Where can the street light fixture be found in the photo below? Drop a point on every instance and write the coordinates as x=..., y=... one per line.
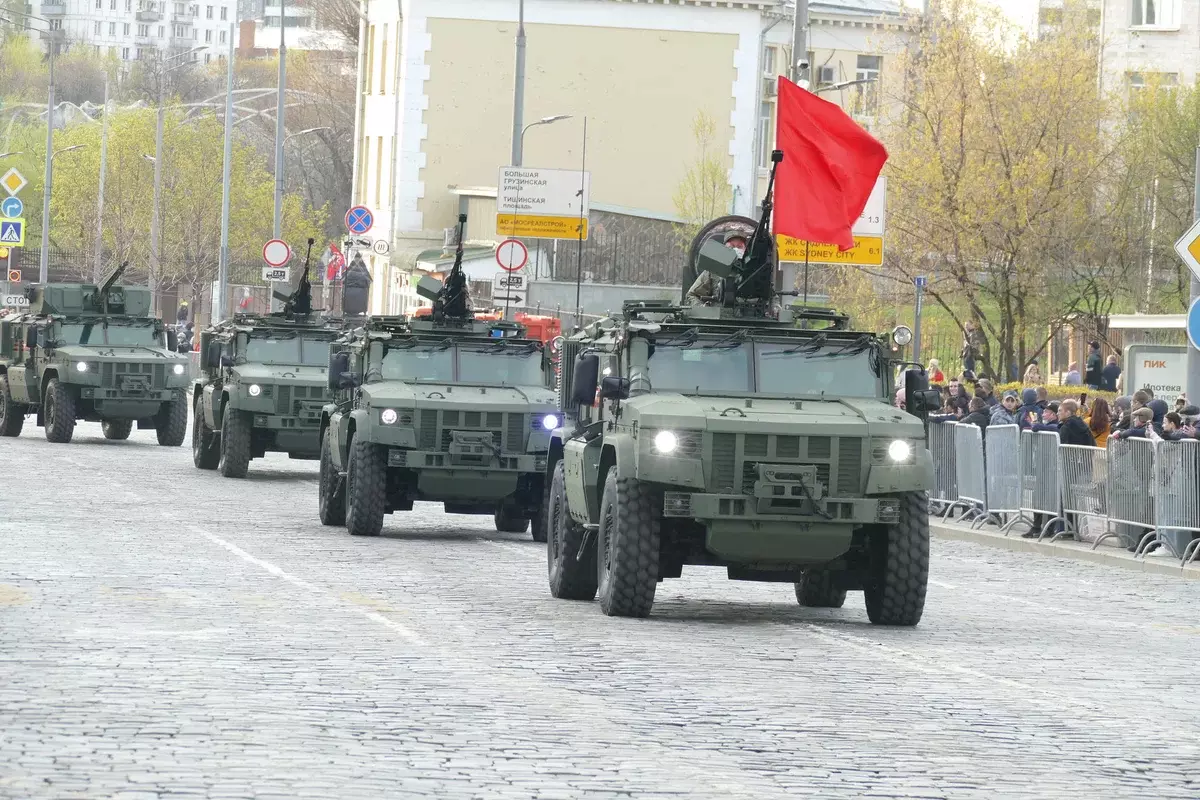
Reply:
x=542, y=121
x=306, y=131
x=57, y=153
x=13, y=153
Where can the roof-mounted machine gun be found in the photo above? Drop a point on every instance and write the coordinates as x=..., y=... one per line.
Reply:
x=299, y=302
x=101, y=297
x=451, y=300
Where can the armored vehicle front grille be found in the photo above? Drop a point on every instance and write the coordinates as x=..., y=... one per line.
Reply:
x=724, y=460
x=429, y=429
x=736, y=457
x=819, y=447
x=508, y=430
x=300, y=401
x=514, y=435
x=113, y=374
x=849, y=475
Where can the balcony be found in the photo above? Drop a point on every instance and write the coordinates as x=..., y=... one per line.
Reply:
x=55, y=9
x=149, y=16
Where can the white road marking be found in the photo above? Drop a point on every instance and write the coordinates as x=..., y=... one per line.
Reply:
x=267, y=566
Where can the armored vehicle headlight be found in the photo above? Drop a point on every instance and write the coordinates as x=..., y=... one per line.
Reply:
x=665, y=442
x=902, y=335
x=550, y=422
x=255, y=390
x=81, y=366
x=899, y=450
x=178, y=369
x=389, y=416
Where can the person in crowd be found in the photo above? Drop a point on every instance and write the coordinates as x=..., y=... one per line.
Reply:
x=1139, y=427
x=1005, y=413
x=181, y=316
x=936, y=376
x=1093, y=367
x=1043, y=397
x=969, y=350
x=1123, y=407
x=1033, y=375
x=1099, y=421
x=958, y=395
x=1049, y=423
x=1109, y=375
x=1073, y=378
x=1181, y=403
x=1191, y=416
x=899, y=401
x=968, y=377
x=978, y=414
x=1173, y=428
x=1071, y=427
x=1029, y=412
x=985, y=392
x=1160, y=408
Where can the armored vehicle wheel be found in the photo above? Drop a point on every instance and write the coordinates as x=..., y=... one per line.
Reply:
x=509, y=520
x=206, y=450
x=117, y=429
x=235, y=444
x=59, y=414
x=628, y=547
x=366, y=489
x=571, y=578
x=12, y=415
x=331, y=504
x=899, y=565
x=815, y=589
x=171, y=421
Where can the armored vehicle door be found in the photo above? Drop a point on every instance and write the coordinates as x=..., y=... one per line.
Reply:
x=23, y=375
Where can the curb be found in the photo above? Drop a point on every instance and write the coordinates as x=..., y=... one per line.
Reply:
x=1073, y=550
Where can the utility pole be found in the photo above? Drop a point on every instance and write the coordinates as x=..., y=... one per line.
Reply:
x=1193, y=357
x=221, y=295
x=48, y=185
x=797, y=73
x=98, y=267
x=519, y=88
x=156, y=216
x=279, y=134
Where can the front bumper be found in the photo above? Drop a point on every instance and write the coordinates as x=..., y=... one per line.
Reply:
x=707, y=508
x=422, y=460
x=105, y=395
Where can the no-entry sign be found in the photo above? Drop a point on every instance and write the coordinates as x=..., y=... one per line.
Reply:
x=277, y=253
x=512, y=255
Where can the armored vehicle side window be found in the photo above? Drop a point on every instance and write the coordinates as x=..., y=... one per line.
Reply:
x=96, y=333
x=273, y=351
x=314, y=352
x=419, y=364
x=782, y=370
x=508, y=368
x=697, y=368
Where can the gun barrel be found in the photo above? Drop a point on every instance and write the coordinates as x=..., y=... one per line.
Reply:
x=112, y=279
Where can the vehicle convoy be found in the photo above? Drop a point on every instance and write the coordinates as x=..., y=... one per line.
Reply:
x=262, y=385
x=93, y=353
x=444, y=408
x=723, y=434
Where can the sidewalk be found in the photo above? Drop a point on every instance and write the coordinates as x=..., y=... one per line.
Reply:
x=1079, y=551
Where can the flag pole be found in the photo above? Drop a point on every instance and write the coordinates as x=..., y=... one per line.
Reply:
x=805, y=273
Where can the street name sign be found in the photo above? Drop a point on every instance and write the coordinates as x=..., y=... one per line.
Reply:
x=1188, y=248
x=543, y=203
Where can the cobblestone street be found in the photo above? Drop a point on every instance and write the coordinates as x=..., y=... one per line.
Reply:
x=165, y=632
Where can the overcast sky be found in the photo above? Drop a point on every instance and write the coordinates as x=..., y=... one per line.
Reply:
x=1022, y=12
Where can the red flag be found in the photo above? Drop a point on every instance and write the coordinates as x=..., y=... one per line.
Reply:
x=337, y=262
x=830, y=165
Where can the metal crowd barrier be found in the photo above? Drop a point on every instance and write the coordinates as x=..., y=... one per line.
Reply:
x=941, y=447
x=1177, y=494
x=1130, y=490
x=1040, y=494
x=1083, y=477
x=969, y=469
x=1002, y=458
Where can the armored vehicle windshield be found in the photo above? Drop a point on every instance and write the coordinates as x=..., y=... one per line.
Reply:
x=498, y=363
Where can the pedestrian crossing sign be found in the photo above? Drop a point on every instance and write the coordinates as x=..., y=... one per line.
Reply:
x=12, y=232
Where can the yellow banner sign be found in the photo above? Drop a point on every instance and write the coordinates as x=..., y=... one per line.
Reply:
x=867, y=251
x=539, y=227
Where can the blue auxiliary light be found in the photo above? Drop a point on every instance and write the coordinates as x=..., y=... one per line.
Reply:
x=496, y=333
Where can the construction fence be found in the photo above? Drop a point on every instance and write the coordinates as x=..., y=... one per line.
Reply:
x=1144, y=493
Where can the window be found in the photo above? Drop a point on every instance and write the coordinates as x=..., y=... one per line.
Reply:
x=180, y=31
x=224, y=14
x=764, y=136
x=208, y=38
x=1157, y=81
x=826, y=76
x=129, y=5
x=207, y=57
x=125, y=53
x=112, y=5
x=370, y=57
x=1050, y=16
x=208, y=12
x=222, y=37
x=378, y=172
x=1155, y=14
x=770, y=55
x=162, y=31
x=383, y=62
x=866, y=100
x=112, y=29
x=125, y=29
x=97, y=30
x=143, y=30
x=99, y=3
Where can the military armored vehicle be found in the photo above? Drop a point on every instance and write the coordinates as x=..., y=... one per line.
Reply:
x=94, y=353
x=443, y=408
x=262, y=385
x=724, y=433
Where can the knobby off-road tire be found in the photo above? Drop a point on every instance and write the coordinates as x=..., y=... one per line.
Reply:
x=571, y=578
x=235, y=444
x=206, y=449
x=899, y=565
x=59, y=412
x=815, y=589
x=331, y=505
x=366, y=489
x=117, y=429
x=170, y=423
x=627, y=547
x=12, y=415
x=508, y=520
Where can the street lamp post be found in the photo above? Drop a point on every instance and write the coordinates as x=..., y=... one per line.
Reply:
x=277, y=229
x=542, y=121
x=48, y=184
x=519, y=88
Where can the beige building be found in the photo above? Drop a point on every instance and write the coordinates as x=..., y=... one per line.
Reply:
x=436, y=107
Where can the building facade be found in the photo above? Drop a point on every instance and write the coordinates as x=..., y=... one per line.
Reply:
x=1149, y=43
x=138, y=29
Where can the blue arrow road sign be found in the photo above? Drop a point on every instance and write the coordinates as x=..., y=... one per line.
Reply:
x=11, y=207
x=920, y=281
x=359, y=220
x=1193, y=323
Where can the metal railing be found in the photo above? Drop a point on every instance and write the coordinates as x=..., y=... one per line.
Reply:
x=1144, y=492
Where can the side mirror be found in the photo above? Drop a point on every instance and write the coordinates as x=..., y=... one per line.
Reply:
x=172, y=340
x=587, y=373
x=226, y=361
x=614, y=387
x=339, y=365
x=919, y=399
x=212, y=356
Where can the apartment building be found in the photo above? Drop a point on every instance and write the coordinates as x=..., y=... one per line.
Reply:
x=136, y=29
x=1149, y=42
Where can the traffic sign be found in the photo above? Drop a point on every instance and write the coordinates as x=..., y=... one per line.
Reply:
x=867, y=251
x=13, y=181
x=871, y=221
x=511, y=299
x=921, y=281
x=277, y=253
x=1193, y=323
x=276, y=274
x=11, y=207
x=12, y=232
x=512, y=255
x=381, y=247
x=359, y=219
x=542, y=203
x=1188, y=248
x=507, y=283
x=15, y=301
x=14, y=276
x=4, y=252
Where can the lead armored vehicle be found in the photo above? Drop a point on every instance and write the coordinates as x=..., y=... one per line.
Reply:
x=445, y=408
x=734, y=433
x=93, y=353
x=262, y=385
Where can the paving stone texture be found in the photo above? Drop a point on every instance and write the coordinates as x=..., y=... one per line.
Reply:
x=165, y=632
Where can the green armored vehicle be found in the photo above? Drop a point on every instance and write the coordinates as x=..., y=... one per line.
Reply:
x=446, y=409
x=262, y=386
x=94, y=353
x=726, y=433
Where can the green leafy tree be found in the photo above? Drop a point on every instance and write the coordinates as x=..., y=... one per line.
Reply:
x=704, y=192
